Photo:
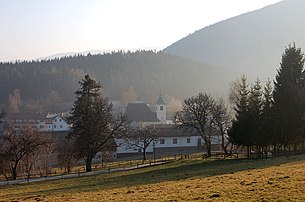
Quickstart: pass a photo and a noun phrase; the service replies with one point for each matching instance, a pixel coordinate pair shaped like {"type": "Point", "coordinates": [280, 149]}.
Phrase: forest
{"type": "Point", "coordinates": [48, 85]}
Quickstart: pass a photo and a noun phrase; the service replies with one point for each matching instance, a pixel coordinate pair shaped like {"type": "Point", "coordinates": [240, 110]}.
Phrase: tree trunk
{"type": "Point", "coordinates": [224, 147]}
{"type": "Point", "coordinates": [14, 173]}
{"type": "Point", "coordinates": [89, 164]}
{"type": "Point", "coordinates": [248, 152]}
{"type": "Point", "coordinates": [144, 154]}
{"type": "Point", "coordinates": [208, 146]}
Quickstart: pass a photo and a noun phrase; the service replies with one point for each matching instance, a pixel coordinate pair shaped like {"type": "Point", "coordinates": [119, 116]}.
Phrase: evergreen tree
{"type": "Point", "coordinates": [238, 133]}
{"type": "Point", "coordinates": [267, 134]}
{"type": "Point", "coordinates": [93, 125]}
{"type": "Point", "coordinates": [288, 95]}
{"type": "Point", "coordinates": [255, 109]}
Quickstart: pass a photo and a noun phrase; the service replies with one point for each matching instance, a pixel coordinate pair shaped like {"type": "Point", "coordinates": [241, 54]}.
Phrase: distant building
{"type": "Point", "coordinates": [160, 109]}
{"type": "Point", "coordinates": [139, 112]}
{"type": "Point", "coordinates": [145, 113]}
{"type": "Point", "coordinates": [172, 139]}
{"type": "Point", "coordinates": [39, 121]}
{"type": "Point", "coordinates": [19, 120]}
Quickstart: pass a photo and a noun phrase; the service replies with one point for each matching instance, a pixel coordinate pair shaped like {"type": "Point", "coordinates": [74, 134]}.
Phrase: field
{"type": "Point", "coordinates": [276, 179]}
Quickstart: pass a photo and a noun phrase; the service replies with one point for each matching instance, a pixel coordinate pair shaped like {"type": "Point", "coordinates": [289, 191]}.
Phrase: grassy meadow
{"type": "Point", "coordinates": [275, 179]}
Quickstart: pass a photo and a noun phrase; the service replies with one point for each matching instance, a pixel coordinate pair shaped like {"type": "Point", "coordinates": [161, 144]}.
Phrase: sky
{"type": "Point", "coordinates": [38, 28]}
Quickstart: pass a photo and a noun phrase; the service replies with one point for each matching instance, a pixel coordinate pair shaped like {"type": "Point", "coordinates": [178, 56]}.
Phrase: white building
{"type": "Point", "coordinates": [172, 140]}
{"type": "Point", "coordinates": [56, 123]}
{"type": "Point", "coordinates": [160, 109]}
{"type": "Point", "coordinates": [41, 122]}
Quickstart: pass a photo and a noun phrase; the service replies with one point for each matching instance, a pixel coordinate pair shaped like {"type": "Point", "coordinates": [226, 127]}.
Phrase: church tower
{"type": "Point", "coordinates": [161, 109]}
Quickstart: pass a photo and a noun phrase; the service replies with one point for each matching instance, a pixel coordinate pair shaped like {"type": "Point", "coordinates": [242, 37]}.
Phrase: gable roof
{"type": "Point", "coordinates": [140, 112]}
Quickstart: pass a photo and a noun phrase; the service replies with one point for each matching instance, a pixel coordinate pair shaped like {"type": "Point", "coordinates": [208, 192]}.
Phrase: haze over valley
{"type": "Point", "coordinates": [205, 61]}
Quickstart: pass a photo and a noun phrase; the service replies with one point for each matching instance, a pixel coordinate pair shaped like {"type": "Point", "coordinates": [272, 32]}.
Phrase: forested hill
{"type": "Point", "coordinates": [251, 43]}
{"type": "Point", "coordinates": [49, 85]}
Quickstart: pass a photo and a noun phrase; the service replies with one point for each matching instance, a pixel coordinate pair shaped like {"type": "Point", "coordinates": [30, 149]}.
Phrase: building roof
{"type": "Point", "coordinates": [140, 112]}
{"type": "Point", "coordinates": [25, 116]}
{"type": "Point", "coordinates": [171, 130]}
{"type": "Point", "coordinates": [161, 101]}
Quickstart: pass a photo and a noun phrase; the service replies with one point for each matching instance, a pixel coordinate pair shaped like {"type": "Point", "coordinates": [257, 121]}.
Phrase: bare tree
{"type": "Point", "coordinates": [4, 167]}
{"type": "Point", "coordinates": [66, 154]}
{"type": "Point", "coordinates": [47, 151]}
{"type": "Point", "coordinates": [29, 163]}
{"type": "Point", "coordinates": [15, 145]}
{"type": "Point", "coordinates": [222, 122]}
{"type": "Point", "coordinates": [15, 101]}
{"type": "Point", "coordinates": [197, 115]}
{"type": "Point", "coordinates": [130, 95]}
{"type": "Point", "coordinates": [141, 137]}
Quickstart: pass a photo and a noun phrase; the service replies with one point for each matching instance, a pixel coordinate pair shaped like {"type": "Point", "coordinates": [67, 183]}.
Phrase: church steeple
{"type": "Point", "coordinates": [161, 108]}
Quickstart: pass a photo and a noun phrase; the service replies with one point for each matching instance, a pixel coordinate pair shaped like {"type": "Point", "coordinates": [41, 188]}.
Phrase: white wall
{"type": "Point", "coordinates": [57, 124]}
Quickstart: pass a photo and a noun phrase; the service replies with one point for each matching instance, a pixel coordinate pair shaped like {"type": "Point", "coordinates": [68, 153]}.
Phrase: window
{"type": "Point", "coordinates": [175, 141]}
{"type": "Point", "coordinates": [55, 120]}
{"type": "Point", "coordinates": [54, 126]}
{"type": "Point", "coordinates": [162, 141]}
{"type": "Point", "coordinates": [188, 140]}
{"type": "Point", "coordinates": [199, 142]}
{"type": "Point", "coordinates": [60, 126]}
{"type": "Point", "coordinates": [161, 108]}
{"type": "Point", "coordinates": [59, 120]}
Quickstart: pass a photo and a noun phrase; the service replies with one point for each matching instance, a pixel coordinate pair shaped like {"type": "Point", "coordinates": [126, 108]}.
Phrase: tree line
{"type": "Point", "coordinates": [272, 119]}
{"type": "Point", "coordinates": [265, 119]}
{"type": "Point", "coordinates": [48, 85]}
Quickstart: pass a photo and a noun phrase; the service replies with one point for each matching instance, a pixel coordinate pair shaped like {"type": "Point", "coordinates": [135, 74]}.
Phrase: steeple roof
{"type": "Point", "coordinates": [161, 101]}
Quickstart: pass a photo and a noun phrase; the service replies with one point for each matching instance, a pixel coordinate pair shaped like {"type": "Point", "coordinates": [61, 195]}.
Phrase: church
{"type": "Point", "coordinates": [171, 141]}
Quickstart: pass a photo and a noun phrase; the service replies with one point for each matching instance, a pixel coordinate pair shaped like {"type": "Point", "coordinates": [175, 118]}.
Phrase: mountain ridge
{"type": "Point", "coordinates": [251, 43]}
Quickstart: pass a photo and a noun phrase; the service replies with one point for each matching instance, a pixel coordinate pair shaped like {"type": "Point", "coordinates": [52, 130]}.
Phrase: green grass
{"type": "Point", "coordinates": [188, 179]}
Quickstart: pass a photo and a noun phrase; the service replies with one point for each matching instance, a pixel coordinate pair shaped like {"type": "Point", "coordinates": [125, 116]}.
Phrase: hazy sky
{"type": "Point", "coordinates": [36, 28]}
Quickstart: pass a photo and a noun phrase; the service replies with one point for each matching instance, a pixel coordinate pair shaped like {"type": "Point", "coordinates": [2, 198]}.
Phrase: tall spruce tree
{"type": "Point", "coordinates": [93, 124]}
{"type": "Point", "coordinates": [238, 133]}
{"type": "Point", "coordinates": [267, 134]}
{"type": "Point", "coordinates": [288, 95]}
{"type": "Point", "coordinates": [255, 110]}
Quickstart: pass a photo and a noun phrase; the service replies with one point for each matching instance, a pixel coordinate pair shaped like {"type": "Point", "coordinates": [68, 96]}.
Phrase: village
{"type": "Point", "coordinates": [171, 139]}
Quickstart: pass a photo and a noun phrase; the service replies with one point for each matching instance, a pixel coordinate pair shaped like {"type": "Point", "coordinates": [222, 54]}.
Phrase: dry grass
{"type": "Point", "coordinates": [280, 179]}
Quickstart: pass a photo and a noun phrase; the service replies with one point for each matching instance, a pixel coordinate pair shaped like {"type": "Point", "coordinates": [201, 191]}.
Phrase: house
{"type": "Point", "coordinates": [172, 140]}
{"type": "Point", "coordinates": [56, 122]}
{"type": "Point", "coordinates": [19, 120]}
{"type": "Point", "coordinates": [38, 121]}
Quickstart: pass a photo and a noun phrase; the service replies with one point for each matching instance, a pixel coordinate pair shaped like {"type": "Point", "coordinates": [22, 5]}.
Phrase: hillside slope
{"type": "Point", "coordinates": [141, 74]}
{"type": "Point", "coordinates": [251, 43]}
